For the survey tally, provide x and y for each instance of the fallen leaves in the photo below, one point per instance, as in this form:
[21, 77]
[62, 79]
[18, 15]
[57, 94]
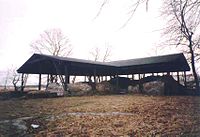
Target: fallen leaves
[106, 115]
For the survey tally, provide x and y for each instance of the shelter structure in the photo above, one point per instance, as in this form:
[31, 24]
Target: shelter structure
[65, 67]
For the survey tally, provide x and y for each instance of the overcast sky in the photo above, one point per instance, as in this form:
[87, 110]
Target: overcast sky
[22, 21]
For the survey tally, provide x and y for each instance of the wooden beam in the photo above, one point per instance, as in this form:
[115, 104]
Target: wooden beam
[140, 83]
[185, 80]
[101, 78]
[117, 81]
[178, 78]
[66, 78]
[133, 76]
[40, 78]
[168, 73]
[48, 78]
[95, 75]
[85, 78]
[139, 76]
[22, 82]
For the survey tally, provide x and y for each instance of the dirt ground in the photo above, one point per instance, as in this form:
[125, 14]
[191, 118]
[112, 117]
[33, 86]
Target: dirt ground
[112, 115]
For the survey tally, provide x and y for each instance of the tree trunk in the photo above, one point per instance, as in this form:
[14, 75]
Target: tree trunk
[193, 67]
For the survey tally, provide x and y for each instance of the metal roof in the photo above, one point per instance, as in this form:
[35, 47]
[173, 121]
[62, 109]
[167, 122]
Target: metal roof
[156, 64]
[47, 64]
[148, 60]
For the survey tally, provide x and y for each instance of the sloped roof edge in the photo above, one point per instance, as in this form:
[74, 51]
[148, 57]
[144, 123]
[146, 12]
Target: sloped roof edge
[178, 60]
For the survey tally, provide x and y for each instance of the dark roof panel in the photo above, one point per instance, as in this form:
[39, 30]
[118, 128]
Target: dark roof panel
[46, 64]
[76, 60]
[148, 60]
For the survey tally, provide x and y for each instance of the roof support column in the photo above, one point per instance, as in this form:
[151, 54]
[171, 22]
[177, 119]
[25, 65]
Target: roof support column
[117, 81]
[22, 82]
[133, 76]
[48, 79]
[139, 77]
[95, 79]
[140, 83]
[185, 80]
[168, 73]
[178, 78]
[40, 78]
[66, 78]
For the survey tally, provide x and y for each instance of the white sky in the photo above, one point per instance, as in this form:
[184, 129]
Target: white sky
[22, 21]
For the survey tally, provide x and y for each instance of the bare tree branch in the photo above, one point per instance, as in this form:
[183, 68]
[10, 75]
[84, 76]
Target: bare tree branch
[52, 42]
[134, 7]
[95, 53]
[107, 54]
[133, 10]
[100, 54]
[101, 8]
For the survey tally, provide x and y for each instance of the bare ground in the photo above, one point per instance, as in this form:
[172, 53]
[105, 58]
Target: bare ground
[114, 115]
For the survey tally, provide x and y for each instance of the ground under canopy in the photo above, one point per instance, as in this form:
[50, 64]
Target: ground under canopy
[114, 115]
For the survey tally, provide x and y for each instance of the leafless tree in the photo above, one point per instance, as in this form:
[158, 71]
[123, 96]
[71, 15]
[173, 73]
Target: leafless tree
[182, 28]
[52, 42]
[16, 79]
[107, 54]
[102, 55]
[95, 53]
[12, 77]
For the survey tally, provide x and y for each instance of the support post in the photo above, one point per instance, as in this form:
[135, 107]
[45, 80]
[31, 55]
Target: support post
[185, 80]
[84, 78]
[178, 78]
[47, 78]
[22, 82]
[117, 81]
[66, 78]
[39, 86]
[101, 78]
[140, 84]
[51, 78]
[139, 76]
[168, 73]
[95, 79]
[133, 76]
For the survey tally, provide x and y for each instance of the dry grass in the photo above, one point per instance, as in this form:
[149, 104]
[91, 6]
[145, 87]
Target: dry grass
[149, 116]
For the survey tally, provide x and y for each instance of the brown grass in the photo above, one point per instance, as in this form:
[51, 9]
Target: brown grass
[147, 115]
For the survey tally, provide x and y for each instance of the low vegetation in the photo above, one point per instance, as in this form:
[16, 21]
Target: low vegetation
[114, 115]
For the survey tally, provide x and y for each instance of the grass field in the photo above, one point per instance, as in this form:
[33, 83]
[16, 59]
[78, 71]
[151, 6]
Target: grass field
[114, 115]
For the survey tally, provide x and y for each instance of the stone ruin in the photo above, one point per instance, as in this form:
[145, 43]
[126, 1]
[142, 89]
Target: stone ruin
[152, 85]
